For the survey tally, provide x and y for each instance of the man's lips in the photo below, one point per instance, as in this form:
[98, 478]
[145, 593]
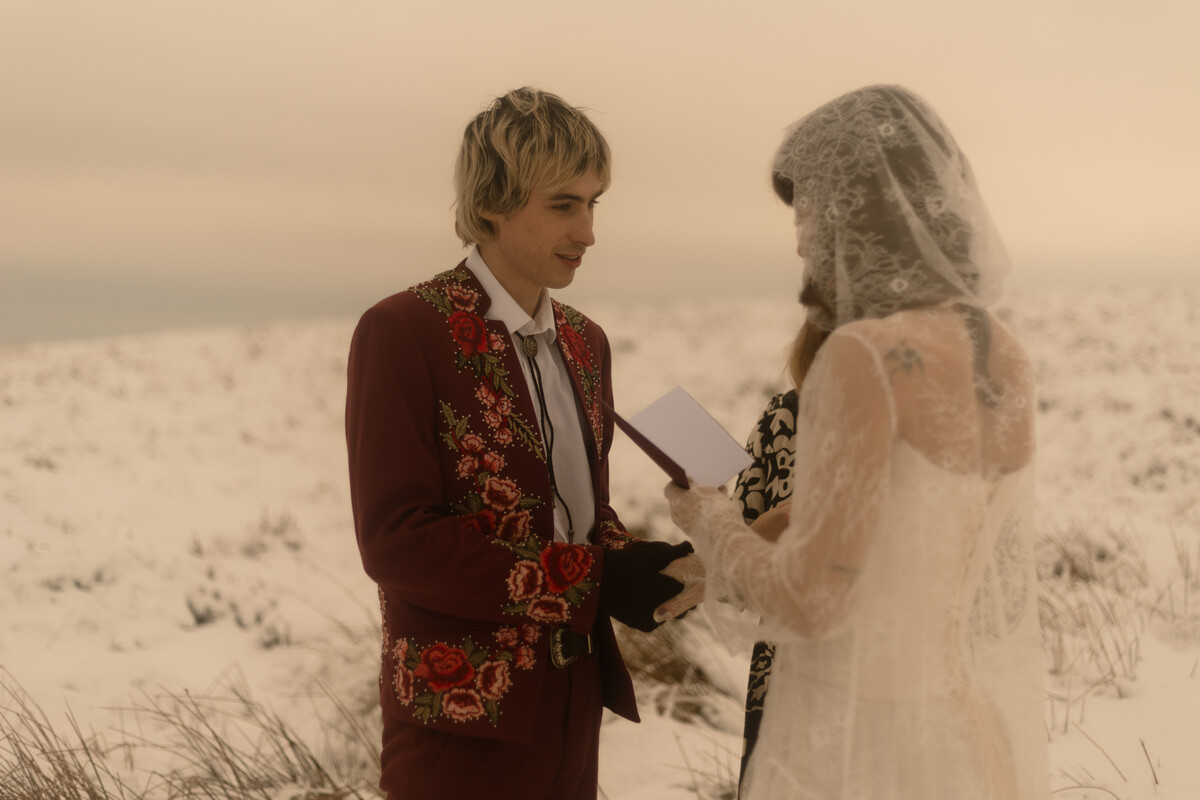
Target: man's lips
[571, 260]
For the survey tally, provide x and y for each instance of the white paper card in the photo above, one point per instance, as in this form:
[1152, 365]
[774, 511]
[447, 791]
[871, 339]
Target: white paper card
[689, 435]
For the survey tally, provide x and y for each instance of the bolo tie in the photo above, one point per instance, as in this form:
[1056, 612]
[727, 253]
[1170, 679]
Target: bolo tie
[530, 345]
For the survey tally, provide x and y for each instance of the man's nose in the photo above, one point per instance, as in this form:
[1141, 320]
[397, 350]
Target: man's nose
[582, 232]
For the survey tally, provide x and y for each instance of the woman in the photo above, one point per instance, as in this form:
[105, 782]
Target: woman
[901, 595]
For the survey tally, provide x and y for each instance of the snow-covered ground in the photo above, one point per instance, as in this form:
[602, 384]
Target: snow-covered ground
[174, 516]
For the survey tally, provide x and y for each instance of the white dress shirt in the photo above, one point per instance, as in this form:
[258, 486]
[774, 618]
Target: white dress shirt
[572, 471]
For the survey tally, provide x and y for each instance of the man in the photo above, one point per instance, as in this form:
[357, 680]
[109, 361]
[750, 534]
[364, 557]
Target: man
[479, 479]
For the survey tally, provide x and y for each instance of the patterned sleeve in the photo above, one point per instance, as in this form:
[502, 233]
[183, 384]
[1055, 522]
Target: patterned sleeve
[768, 480]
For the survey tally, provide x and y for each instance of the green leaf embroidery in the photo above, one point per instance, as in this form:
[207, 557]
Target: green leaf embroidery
[426, 706]
[493, 711]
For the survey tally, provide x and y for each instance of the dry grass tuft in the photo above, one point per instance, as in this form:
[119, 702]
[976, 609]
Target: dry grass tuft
[1093, 580]
[220, 747]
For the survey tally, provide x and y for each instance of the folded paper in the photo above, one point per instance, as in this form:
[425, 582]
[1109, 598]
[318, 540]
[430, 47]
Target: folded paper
[684, 440]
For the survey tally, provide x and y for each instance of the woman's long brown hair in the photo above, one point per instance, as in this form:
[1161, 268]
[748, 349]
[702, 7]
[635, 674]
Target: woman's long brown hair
[803, 351]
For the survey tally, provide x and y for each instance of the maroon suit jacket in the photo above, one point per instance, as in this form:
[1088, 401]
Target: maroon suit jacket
[453, 509]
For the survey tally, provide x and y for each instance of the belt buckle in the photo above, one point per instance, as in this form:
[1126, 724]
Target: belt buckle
[558, 657]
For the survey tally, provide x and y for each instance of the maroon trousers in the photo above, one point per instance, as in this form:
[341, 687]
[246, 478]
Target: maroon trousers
[560, 764]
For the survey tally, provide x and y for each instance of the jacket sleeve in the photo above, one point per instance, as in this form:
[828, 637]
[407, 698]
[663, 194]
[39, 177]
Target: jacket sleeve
[411, 544]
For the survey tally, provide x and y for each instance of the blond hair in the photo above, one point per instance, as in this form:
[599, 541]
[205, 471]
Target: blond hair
[525, 140]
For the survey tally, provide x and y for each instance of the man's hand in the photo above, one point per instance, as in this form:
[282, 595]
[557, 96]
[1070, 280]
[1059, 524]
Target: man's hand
[632, 585]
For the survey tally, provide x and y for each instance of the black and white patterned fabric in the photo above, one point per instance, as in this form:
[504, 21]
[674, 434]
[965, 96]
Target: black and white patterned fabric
[760, 487]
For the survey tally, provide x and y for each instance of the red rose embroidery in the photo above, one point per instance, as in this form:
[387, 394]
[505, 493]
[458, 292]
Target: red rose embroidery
[548, 608]
[565, 565]
[523, 657]
[401, 651]
[404, 685]
[504, 406]
[516, 527]
[468, 466]
[524, 581]
[497, 342]
[530, 633]
[501, 493]
[472, 443]
[444, 667]
[462, 705]
[574, 346]
[493, 462]
[504, 436]
[494, 680]
[469, 331]
[462, 298]
[484, 522]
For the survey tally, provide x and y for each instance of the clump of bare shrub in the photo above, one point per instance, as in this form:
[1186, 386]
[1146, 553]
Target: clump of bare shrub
[1098, 599]
[222, 747]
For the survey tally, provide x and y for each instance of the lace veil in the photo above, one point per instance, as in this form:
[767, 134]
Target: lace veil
[902, 596]
[888, 215]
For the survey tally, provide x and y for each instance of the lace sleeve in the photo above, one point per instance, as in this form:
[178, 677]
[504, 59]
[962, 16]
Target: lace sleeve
[806, 584]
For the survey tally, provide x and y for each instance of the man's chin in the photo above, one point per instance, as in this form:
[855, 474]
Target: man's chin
[562, 278]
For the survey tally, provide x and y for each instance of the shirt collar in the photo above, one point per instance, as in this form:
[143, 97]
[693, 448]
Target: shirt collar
[505, 308]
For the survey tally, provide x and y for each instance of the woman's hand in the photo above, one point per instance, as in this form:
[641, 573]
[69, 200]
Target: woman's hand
[771, 523]
[689, 571]
[701, 511]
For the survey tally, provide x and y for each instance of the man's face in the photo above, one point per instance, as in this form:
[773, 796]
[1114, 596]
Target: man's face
[541, 245]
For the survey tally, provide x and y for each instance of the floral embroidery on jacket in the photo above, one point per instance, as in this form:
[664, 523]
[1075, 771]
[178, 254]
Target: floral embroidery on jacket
[613, 536]
[480, 350]
[463, 682]
[547, 580]
[569, 325]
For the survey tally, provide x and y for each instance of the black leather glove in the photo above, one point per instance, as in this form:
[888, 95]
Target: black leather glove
[631, 587]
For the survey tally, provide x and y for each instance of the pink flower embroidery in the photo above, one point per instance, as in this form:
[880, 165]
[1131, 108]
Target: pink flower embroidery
[493, 462]
[548, 608]
[462, 705]
[468, 466]
[472, 443]
[493, 680]
[501, 493]
[525, 581]
[507, 637]
[404, 684]
[516, 527]
[401, 651]
[462, 298]
[485, 395]
[523, 657]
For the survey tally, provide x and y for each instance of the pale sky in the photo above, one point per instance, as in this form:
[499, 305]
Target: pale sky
[167, 163]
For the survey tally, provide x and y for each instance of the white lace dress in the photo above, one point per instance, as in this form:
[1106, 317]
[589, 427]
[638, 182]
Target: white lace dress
[903, 596]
